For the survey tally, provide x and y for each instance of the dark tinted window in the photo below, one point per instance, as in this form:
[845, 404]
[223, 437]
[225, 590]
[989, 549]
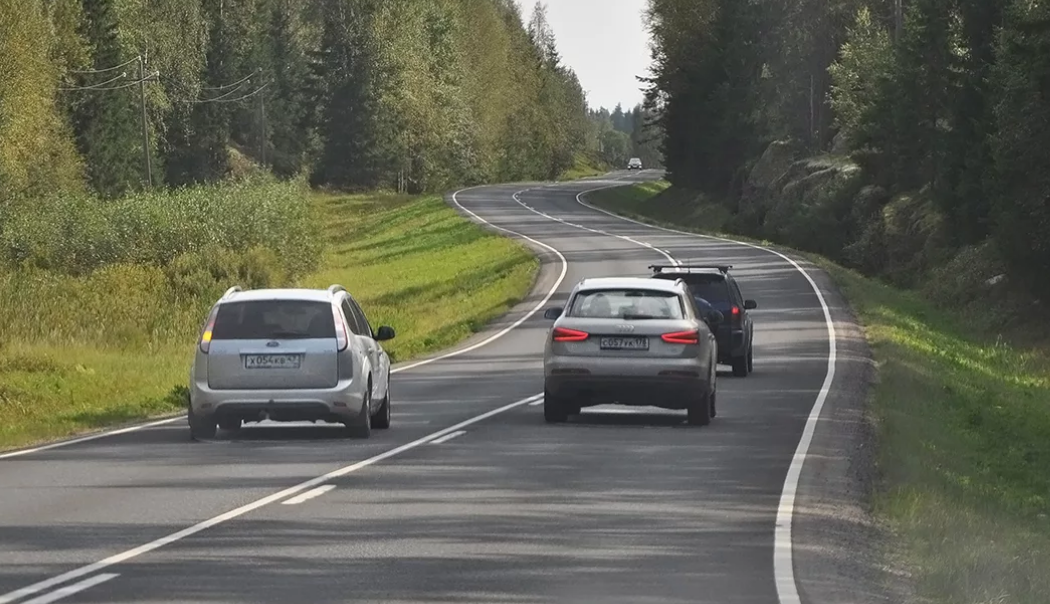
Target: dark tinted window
[630, 303]
[274, 320]
[713, 289]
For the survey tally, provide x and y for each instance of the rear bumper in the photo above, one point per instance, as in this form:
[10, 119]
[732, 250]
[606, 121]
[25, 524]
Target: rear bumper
[340, 404]
[668, 392]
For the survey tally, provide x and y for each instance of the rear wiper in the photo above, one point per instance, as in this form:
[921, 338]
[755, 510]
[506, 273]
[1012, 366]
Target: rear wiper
[638, 317]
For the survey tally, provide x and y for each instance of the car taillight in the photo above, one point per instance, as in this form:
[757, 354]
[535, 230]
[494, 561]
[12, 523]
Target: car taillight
[206, 333]
[735, 311]
[682, 337]
[562, 334]
[342, 340]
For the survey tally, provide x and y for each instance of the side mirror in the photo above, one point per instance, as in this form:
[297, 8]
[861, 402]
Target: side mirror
[715, 317]
[750, 305]
[385, 333]
[552, 314]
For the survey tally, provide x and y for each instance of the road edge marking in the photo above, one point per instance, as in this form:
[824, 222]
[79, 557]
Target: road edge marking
[783, 552]
[307, 496]
[250, 507]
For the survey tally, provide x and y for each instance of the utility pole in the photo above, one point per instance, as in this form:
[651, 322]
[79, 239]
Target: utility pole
[898, 20]
[145, 121]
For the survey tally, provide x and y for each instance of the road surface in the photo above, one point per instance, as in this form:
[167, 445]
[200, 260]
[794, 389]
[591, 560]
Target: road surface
[473, 498]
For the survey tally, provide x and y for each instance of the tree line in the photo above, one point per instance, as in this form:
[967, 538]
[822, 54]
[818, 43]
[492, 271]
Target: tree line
[944, 99]
[114, 97]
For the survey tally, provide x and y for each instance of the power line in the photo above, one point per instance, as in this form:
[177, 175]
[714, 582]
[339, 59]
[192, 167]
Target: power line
[105, 69]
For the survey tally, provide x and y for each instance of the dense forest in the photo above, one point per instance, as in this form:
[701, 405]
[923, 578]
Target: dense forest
[901, 137]
[113, 97]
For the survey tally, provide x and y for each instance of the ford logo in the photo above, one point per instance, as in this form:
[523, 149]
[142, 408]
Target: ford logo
[273, 344]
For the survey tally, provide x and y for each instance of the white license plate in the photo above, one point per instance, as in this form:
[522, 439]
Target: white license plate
[625, 343]
[272, 361]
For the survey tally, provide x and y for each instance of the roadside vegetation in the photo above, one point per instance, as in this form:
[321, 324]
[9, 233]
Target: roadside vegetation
[102, 329]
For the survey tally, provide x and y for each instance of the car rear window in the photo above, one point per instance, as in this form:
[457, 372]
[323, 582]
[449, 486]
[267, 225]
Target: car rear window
[626, 303]
[274, 320]
[713, 288]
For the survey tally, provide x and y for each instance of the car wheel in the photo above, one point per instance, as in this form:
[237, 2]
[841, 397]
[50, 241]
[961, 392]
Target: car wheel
[699, 412]
[202, 428]
[362, 428]
[230, 424]
[751, 358]
[381, 420]
[553, 409]
[740, 366]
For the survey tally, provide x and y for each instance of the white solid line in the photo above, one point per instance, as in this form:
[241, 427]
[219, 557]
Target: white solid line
[485, 342]
[783, 556]
[66, 443]
[307, 496]
[226, 517]
[448, 437]
[526, 317]
[69, 590]
[536, 403]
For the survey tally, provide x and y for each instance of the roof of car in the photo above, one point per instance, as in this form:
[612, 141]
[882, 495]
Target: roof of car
[662, 285]
[304, 294]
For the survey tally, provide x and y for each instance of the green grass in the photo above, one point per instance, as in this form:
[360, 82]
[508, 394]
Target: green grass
[85, 352]
[583, 167]
[964, 436]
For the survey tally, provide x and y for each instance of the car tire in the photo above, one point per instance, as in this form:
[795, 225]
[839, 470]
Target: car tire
[202, 428]
[553, 409]
[381, 420]
[699, 411]
[230, 425]
[740, 366]
[751, 358]
[362, 428]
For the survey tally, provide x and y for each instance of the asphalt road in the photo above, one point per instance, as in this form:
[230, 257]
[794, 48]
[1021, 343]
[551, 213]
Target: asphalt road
[474, 498]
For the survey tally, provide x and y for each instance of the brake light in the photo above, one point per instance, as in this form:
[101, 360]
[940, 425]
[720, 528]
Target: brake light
[342, 340]
[562, 334]
[206, 333]
[736, 311]
[682, 337]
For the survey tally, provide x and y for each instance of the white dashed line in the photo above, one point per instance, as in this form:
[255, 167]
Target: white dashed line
[307, 496]
[448, 437]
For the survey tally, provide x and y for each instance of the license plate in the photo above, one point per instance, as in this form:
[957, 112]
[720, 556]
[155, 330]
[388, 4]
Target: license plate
[272, 361]
[625, 343]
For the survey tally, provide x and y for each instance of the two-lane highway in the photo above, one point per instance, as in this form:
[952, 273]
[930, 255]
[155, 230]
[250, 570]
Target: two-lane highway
[470, 497]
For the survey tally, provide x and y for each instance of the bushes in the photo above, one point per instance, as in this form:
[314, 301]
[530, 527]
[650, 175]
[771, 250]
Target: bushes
[140, 271]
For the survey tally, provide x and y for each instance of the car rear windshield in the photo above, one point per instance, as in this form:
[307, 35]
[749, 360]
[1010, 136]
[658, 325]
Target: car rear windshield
[626, 304]
[274, 320]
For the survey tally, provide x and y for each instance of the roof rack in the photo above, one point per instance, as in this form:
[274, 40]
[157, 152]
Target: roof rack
[231, 291]
[336, 288]
[658, 268]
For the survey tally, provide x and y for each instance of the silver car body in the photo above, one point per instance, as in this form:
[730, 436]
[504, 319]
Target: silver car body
[289, 355]
[631, 341]
[634, 164]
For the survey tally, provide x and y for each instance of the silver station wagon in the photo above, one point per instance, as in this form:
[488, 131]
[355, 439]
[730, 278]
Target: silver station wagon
[289, 355]
[630, 341]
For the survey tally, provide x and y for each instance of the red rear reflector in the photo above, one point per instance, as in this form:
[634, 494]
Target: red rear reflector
[562, 334]
[682, 337]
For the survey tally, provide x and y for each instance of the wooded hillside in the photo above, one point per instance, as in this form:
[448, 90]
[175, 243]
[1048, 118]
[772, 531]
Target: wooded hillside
[898, 136]
[416, 94]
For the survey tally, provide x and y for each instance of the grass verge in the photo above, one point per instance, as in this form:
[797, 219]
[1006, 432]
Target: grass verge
[964, 432]
[413, 262]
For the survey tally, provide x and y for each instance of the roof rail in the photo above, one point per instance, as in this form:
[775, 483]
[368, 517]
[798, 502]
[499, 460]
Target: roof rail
[658, 268]
[335, 288]
[231, 291]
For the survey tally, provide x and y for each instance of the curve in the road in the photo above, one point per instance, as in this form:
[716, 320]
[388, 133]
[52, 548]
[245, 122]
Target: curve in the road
[786, 587]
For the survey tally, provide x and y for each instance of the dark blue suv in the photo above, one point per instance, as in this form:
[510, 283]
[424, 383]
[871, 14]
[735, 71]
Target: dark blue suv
[713, 288]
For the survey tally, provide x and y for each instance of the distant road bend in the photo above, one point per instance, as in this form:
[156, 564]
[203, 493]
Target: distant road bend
[470, 496]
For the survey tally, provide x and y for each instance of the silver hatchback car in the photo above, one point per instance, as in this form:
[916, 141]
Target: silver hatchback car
[289, 355]
[631, 341]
